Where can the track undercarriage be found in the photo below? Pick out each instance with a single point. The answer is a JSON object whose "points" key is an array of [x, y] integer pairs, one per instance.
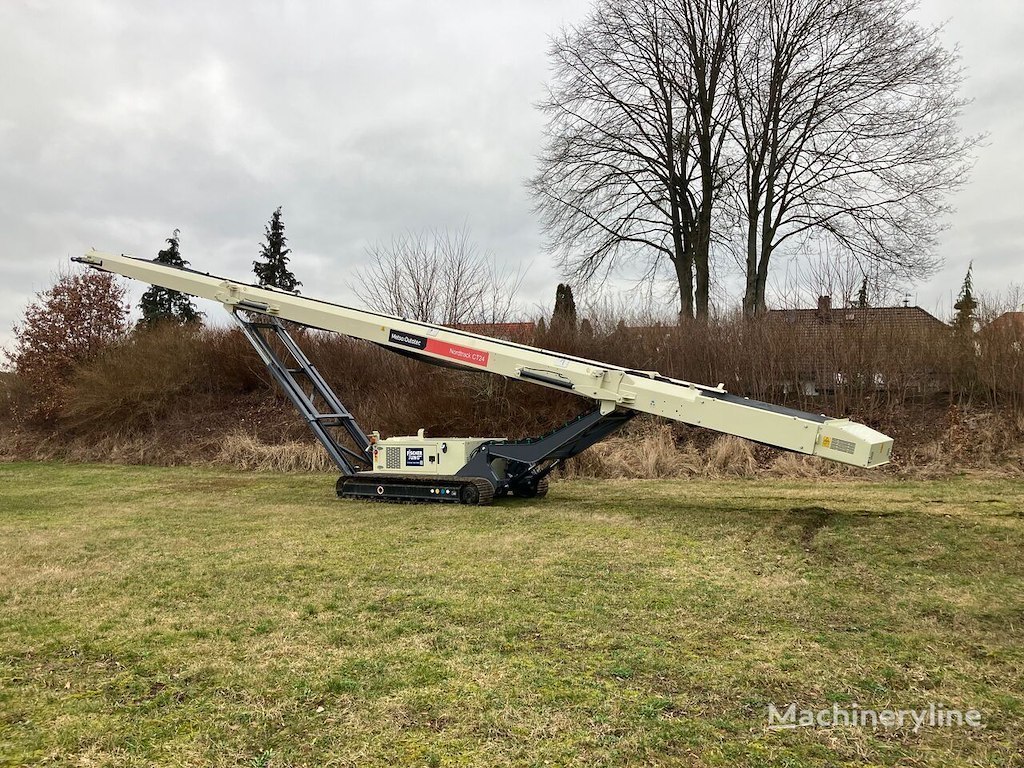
{"points": [[443, 489]]}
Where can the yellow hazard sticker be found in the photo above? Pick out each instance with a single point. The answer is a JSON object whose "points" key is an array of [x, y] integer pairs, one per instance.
{"points": [[826, 441]]}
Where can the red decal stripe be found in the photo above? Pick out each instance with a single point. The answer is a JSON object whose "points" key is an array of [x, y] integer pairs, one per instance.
{"points": [[456, 352]]}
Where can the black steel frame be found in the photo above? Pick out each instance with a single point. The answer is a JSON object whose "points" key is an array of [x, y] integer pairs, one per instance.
{"points": [[324, 417], [529, 461]]}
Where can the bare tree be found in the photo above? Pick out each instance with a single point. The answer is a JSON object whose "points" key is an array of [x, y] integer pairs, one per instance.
{"points": [[847, 129], [685, 130], [438, 276], [636, 125], [704, 31]]}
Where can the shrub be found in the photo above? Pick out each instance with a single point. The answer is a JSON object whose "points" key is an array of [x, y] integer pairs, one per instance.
{"points": [[64, 326], [134, 383]]}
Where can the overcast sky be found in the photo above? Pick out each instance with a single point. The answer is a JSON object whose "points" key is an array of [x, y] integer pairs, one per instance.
{"points": [[121, 120]]}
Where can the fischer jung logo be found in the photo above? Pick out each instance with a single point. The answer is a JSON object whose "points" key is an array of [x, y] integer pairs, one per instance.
{"points": [[935, 716]]}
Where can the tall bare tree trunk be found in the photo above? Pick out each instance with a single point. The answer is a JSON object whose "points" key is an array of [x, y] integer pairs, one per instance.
{"points": [[684, 275]]}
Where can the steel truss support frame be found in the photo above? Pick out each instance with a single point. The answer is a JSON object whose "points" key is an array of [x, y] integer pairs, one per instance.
{"points": [[320, 407]]}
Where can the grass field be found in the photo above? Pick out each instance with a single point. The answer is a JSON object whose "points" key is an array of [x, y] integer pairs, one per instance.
{"points": [[185, 617]]}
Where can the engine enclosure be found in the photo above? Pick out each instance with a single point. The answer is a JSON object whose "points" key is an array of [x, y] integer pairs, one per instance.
{"points": [[421, 455]]}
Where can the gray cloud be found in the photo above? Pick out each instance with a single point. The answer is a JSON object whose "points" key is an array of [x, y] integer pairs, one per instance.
{"points": [[122, 120]]}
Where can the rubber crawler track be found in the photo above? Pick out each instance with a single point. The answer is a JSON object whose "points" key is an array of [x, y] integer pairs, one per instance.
{"points": [[414, 489]]}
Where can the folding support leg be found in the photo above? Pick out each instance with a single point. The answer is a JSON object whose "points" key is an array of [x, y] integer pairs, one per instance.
{"points": [[320, 407]]}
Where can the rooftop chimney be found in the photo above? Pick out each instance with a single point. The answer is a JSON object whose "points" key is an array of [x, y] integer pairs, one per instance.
{"points": [[824, 304]]}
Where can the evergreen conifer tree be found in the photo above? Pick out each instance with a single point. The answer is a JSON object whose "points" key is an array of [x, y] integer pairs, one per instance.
{"points": [[272, 270], [966, 304], [563, 318], [161, 304], [862, 294]]}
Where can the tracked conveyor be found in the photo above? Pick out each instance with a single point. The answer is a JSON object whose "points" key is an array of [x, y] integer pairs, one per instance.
{"points": [[445, 469]]}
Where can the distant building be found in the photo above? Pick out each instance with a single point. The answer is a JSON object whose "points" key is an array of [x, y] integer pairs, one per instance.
{"points": [[902, 322], [827, 334], [1008, 327], [1009, 322]]}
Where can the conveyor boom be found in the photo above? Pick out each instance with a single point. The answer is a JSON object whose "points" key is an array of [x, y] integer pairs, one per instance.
{"points": [[611, 386]]}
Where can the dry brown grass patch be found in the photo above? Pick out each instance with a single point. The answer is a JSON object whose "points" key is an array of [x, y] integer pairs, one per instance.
{"points": [[730, 456], [648, 452], [245, 451]]}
